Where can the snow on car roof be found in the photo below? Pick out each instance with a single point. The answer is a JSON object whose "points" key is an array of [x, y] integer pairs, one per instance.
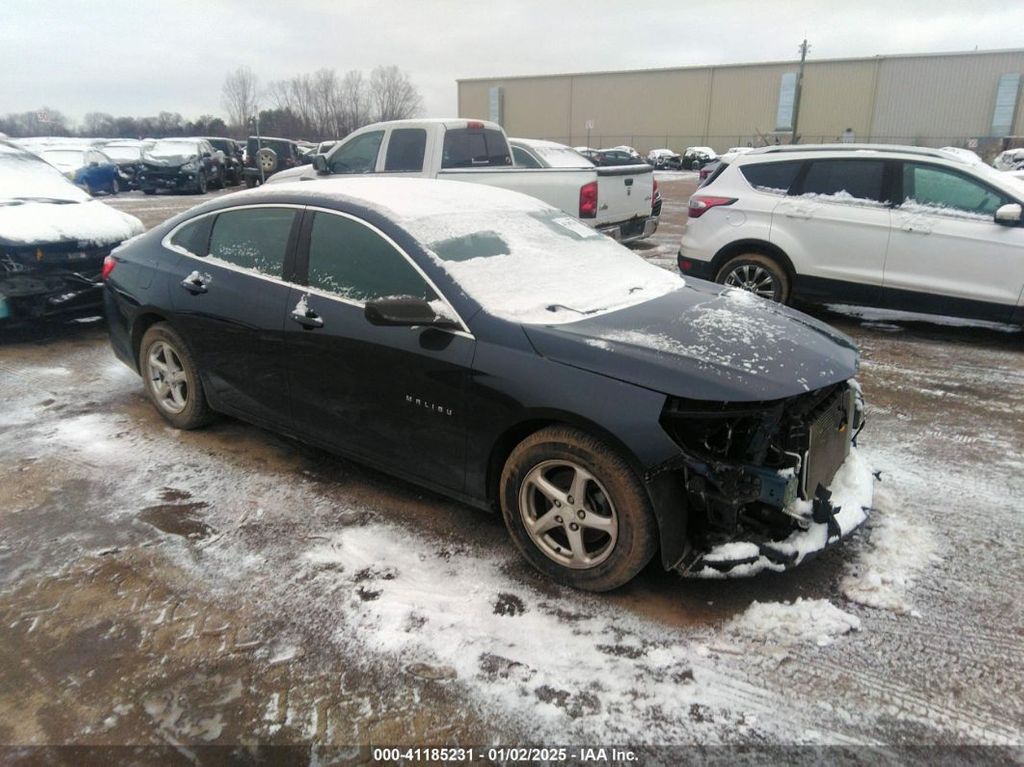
{"points": [[519, 258]]}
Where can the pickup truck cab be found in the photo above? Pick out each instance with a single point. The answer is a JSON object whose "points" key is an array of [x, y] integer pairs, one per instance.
{"points": [[616, 201]]}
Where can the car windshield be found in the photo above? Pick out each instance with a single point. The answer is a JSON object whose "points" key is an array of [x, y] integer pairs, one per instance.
{"points": [[172, 149], [122, 153], [539, 265], [24, 177], [68, 158], [561, 157]]}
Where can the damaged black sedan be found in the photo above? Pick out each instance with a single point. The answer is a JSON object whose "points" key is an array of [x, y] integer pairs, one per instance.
{"points": [[53, 240], [485, 345]]}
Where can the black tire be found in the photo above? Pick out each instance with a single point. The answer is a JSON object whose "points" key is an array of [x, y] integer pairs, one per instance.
{"points": [[250, 182], [114, 186], [149, 191], [201, 185], [615, 493], [196, 411], [746, 269], [218, 183], [695, 165]]}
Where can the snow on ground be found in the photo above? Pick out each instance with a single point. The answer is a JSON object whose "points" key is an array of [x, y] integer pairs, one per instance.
{"points": [[812, 620], [899, 550]]}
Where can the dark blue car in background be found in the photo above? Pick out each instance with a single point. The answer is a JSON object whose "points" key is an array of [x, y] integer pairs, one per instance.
{"points": [[86, 167]]}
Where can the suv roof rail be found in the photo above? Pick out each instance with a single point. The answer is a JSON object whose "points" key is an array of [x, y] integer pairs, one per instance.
{"points": [[893, 148]]}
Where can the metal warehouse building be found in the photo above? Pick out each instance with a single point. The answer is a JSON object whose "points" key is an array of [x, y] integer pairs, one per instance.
{"points": [[932, 100]]}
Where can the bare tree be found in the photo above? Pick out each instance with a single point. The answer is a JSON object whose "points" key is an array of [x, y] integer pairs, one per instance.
{"points": [[394, 96], [239, 96], [355, 99]]}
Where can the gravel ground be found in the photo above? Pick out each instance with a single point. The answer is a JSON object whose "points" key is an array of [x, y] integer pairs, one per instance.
{"points": [[231, 586]]}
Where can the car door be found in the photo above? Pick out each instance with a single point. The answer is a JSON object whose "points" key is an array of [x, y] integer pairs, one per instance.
{"points": [[947, 254], [391, 395], [229, 299], [834, 224]]}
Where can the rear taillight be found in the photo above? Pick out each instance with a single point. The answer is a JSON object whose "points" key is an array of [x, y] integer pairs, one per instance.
{"points": [[108, 266], [588, 200], [701, 204]]}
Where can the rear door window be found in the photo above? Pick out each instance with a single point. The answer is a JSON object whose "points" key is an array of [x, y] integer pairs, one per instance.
{"points": [[845, 179], [775, 177], [254, 238], [406, 149], [352, 261], [358, 155], [193, 237], [474, 148]]}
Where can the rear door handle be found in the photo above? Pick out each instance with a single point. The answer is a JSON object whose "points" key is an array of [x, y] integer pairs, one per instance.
{"points": [[196, 283], [310, 320]]}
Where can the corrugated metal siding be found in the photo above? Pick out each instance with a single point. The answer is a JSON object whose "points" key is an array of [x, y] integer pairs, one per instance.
{"points": [[938, 99], [928, 100]]}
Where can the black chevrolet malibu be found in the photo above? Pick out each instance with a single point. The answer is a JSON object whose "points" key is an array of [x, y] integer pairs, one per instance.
{"points": [[487, 346]]}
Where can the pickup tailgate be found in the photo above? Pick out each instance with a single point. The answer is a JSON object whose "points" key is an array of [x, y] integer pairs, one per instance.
{"points": [[624, 192]]}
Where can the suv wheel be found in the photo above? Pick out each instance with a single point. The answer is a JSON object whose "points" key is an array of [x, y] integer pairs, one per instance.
{"points": [[172, 378], [757, 273], [576, 510]]}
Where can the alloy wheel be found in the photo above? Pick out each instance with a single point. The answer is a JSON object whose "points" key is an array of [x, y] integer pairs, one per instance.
{"points": [[753, 278], [568, 514], [167, 378]]}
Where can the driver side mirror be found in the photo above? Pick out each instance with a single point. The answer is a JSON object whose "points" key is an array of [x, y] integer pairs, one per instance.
{"points": [[405, 311], [1009, 215], [320, 164]]}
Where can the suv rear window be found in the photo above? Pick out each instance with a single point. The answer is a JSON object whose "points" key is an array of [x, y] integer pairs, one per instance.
{"points": [[474, 148], [770, 176], [861, 179]]}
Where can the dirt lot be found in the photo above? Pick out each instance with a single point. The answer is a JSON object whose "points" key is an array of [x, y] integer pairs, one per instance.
{"points": [[231, 586]]}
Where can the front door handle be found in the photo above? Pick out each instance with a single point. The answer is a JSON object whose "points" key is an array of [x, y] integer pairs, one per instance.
{"points": [[310, 320], [196, 283]]}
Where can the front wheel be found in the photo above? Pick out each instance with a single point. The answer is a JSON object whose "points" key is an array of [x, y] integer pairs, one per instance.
{"points": [[201, 186], [758, 274], [172, 379], [114, 186], [576, 510]]}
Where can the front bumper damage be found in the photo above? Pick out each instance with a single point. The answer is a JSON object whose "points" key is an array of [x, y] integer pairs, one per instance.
{"points": [[763, 486], [57, 281]]}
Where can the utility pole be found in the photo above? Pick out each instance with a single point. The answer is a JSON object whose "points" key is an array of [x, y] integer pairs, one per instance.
{"points": [[798, 92]]}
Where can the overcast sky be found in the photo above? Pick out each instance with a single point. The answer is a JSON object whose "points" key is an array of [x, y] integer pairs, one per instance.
{"points": [[140, 57]]}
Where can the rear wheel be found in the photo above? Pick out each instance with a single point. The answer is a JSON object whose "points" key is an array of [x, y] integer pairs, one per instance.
{"points": [[757, 273], [172, 379], [576, 510]]}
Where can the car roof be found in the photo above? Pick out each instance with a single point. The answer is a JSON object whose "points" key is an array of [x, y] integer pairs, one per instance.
{"points": [[840, 150], [539, 143]]}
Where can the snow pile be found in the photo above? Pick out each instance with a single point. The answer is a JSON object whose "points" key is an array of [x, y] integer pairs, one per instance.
{"points": [[912, 209], [788, 623], [852, 489], [883, 575]]}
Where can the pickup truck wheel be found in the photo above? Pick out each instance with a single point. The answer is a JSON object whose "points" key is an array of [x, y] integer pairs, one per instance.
{"points": [[758, 273], [576, 510], [172, 378]]}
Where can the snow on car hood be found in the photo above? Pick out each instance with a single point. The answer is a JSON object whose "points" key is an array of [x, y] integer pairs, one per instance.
{"points": [[91, 222], [706, 342]]}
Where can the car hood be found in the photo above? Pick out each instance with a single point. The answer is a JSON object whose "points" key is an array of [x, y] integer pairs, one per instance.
{"points": [[298, 173], [169, 161], [90, 223], [705, 342]]}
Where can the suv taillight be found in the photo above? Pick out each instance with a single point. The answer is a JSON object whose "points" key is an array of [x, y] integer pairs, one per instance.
{"points": [[701, 204], [588, 200], [108, 266]]}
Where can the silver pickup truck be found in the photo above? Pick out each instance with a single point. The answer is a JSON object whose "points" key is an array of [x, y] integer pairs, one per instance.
{"points": [[619, 201]]}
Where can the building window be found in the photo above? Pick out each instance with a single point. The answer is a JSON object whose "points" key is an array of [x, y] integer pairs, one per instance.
{"points": [[787, 97], [1006, 104]]}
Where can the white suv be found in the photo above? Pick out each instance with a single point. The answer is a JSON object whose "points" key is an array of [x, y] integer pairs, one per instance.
{"points": [[898, 227]]}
